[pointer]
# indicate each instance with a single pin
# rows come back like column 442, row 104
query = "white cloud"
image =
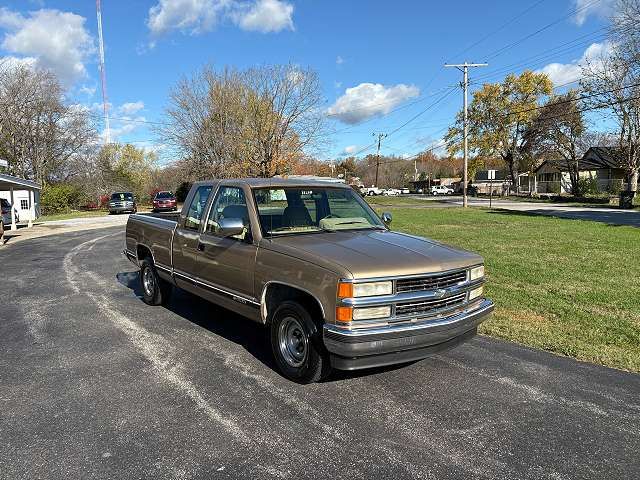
column 370, row 99
column 87, row 90
column 563, row 73
column 195, row 16
column 351, row 149
column 585, row 8
column 339, row 60
column 266, row 16
column 130, row 108
column 199, row 16
column 56, row 40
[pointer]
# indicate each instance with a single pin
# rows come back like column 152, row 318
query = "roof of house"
column 595, row 158
column 8, row 181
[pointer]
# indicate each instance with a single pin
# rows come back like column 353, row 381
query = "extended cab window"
column 196, row 209
column 230, row 202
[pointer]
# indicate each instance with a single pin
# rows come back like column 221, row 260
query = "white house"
column 24, row 195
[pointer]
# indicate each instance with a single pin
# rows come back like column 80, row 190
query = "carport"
column 11, row 184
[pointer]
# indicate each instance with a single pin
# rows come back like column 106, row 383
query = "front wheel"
column 155, row 291
column 297, row 344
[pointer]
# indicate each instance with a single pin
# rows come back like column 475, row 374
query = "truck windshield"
column 286, row 210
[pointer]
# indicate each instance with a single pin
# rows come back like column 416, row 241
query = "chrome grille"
column 431, row 282
column 427, row 306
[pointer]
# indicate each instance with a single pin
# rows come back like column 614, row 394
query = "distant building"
column 498, row 185
column 24, row 195
column 598, row 163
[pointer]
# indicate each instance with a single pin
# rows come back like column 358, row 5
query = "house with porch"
column 598, row 163
column 24, row 196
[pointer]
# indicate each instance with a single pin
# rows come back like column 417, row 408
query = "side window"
column 196, row 209
column 230, row 202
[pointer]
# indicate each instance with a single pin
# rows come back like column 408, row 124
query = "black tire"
column 155, row 291
column 303, row 362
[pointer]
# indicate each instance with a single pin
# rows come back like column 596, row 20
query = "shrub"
column 588, row 186
column 59, row 198
column 183, row 191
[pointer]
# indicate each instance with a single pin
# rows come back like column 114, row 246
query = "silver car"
column 122, row 202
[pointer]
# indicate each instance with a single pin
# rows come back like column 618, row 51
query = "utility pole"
column 380, row 137
column 464, row 68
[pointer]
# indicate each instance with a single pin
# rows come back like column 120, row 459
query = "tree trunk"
column 633, row 181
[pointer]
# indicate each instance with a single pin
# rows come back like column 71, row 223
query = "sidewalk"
column 41, row 229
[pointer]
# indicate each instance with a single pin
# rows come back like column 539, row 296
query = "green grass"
column 567, row 286
column 73, row 214
column 397, row 201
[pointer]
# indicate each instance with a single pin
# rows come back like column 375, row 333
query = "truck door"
column 187, row 236
column 228, row 263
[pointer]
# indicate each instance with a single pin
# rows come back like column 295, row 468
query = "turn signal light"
column 344, row 314
column 345, row 290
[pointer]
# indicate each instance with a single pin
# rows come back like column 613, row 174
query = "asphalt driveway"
column 95, row 384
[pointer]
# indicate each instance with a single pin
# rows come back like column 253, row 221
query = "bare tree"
column 40, row 135
column 614, row 82
column 256, row 122
column 557, row 132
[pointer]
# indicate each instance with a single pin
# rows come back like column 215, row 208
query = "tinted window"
column 230, row 202
column 164, row 195
column 4, row 203
column 196, row 209
column 122, row 196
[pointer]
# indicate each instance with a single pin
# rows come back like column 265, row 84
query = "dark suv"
column 165, row 202
column 122, row 202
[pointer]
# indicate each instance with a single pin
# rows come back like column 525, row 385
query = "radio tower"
column 103, row 77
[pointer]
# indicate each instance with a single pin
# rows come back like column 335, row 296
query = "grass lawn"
column 567, row 286
column 73, row 214
column 397, row 201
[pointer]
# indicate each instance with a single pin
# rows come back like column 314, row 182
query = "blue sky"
column 380, row 62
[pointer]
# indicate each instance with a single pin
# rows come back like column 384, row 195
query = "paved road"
column 612, row 216
column 95, row 384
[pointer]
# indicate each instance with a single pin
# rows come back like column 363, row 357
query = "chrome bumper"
column 370, row 347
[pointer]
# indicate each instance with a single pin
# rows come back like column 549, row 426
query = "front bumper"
column 375, row 347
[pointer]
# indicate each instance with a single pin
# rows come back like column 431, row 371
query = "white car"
column 373, row 191
column 405, row 191
column 391, row 192
column 441, row 190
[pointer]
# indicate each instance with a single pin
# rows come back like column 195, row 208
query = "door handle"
column 201, row 246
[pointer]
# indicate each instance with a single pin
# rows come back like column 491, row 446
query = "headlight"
column 372, row 312
column 369, row 289
column 475, row 293
column 476, row 273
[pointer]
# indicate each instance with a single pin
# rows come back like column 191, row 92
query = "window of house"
column 196, row 209
column 24, row 204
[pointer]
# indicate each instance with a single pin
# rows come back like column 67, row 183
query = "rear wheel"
column 297, row 344
column 155, row 291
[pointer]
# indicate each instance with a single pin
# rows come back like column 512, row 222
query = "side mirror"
column 229, row 227
column 386, row 218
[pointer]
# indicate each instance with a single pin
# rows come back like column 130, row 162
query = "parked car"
column 1, row 231
column 391, row 192
column 5, row 209
column 441, row 190
column 164, row 202
column 122, row 202
column 315, row 264
column 405, row 191
column 372, row 190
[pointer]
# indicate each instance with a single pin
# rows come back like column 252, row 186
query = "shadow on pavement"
column 615, row 219
column 251, row 336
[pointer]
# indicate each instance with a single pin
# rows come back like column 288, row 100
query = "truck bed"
column 155, row 231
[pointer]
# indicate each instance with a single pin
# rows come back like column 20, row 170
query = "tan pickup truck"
column 313, row 262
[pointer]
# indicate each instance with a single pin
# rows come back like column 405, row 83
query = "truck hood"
column 373, row 253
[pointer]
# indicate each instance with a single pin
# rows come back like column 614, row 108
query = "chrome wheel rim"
column 148, row 282
column 292, row 342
